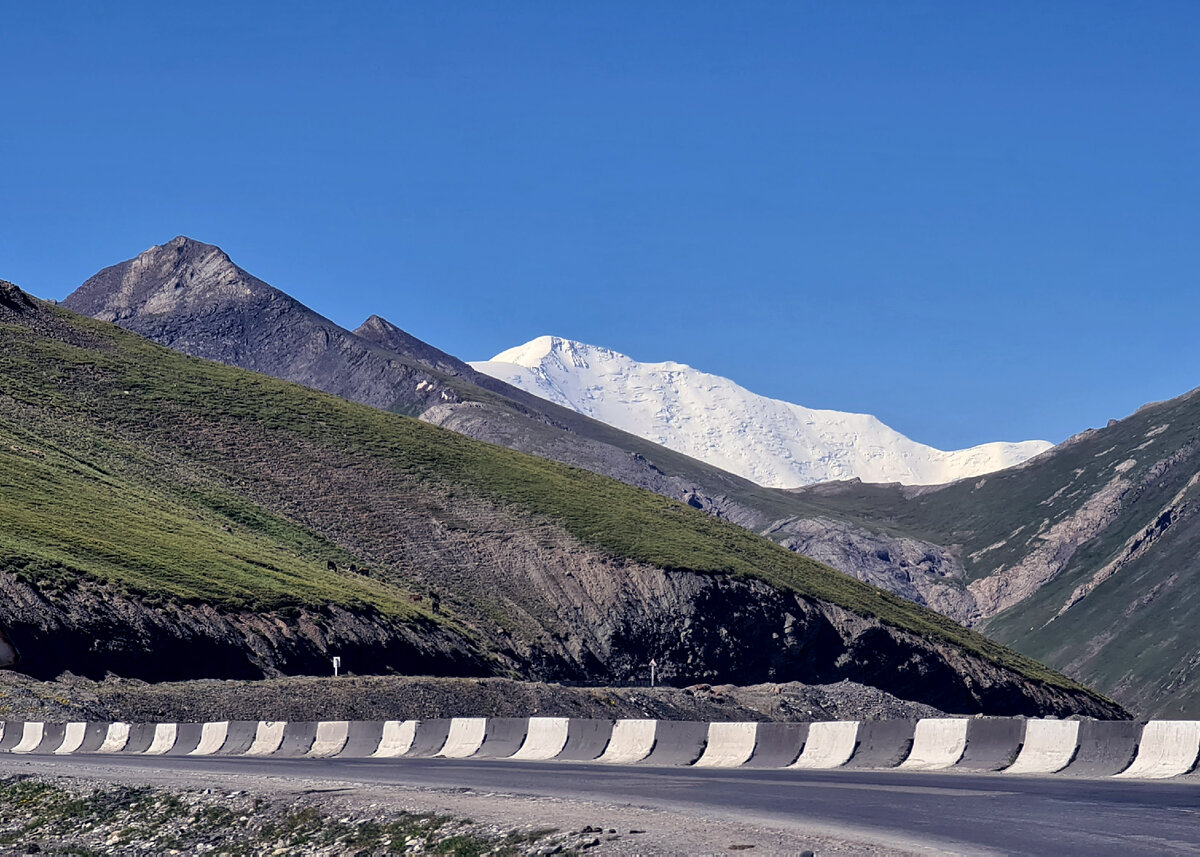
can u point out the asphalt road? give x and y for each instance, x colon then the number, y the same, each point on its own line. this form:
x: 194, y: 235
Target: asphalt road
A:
x: 960, y: 813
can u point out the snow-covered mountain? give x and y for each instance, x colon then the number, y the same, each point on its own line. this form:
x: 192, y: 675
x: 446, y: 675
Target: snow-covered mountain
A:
x: 711, y: 418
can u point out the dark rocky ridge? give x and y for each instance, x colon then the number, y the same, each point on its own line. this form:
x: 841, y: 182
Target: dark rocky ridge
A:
x: 529, y: 598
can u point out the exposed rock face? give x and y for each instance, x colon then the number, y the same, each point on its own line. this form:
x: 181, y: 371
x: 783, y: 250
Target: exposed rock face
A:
x: 191, y: 297
x: 920, y: 571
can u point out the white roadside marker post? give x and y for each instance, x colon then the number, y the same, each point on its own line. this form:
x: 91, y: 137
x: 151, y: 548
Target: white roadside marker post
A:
x: 337, y: 665
x: 653, y: 665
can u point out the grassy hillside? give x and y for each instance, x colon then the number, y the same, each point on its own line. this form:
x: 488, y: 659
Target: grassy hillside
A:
x: 130, y: 463
x: 1122, y: 502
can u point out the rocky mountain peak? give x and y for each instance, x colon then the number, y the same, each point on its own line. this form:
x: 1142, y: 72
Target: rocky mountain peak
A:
x: 12, y: 298
x: 182, y: 273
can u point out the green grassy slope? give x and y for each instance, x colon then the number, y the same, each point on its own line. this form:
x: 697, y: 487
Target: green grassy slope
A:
x: 1134, y: 635
x: 101, y: 404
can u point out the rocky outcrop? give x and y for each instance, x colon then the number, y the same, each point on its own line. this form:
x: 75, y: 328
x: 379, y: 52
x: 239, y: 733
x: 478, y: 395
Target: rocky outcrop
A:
x: 920, y: 571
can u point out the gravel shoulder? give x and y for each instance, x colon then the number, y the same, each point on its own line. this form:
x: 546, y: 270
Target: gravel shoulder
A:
x: 121, y: 811
x: 407, y: 697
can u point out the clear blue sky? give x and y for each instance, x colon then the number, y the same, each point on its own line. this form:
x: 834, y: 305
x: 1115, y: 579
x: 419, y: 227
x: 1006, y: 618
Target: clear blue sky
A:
x: 975, y: 220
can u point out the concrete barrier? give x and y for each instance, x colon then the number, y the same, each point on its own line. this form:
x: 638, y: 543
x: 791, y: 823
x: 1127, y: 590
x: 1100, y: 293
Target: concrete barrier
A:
x: 677, y: 743
x: 465, y: 737
x: 830, y: 744
x: 396, y: 739
x: 778, y: 745
x: 212, y: 738
x: 268, y: 737
x: 94, y: 736
x: 882, y: 743
x: 116, y: 736
x: 163, y: 740
x: 587, y: 740
x: 503, y: 738
x: 992, y: 743
x: 52, y: 738
x: 239, y: 738
x: 1168, y: 748
x: 1106, y: 747
x: 14, y: 734
x: 298, y: 738
x: 1049, y: 746
x: 73, y: 737
x: 938, y: 742
x: 729, y: 745
x: 187, y: 738
x: 362, y: 740
x: 430, y: 737
x: 329, y: 739
x: 545, y: 738
x: 631, y: 741
x: 141, y: 736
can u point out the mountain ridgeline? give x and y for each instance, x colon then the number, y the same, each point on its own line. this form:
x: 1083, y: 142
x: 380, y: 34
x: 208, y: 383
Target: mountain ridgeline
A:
x: 170, y: 517
x: 1085, y: 556
x: 774, y: 443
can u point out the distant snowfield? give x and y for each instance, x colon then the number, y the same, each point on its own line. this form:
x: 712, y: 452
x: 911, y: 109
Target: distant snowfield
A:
x: 711, y: 418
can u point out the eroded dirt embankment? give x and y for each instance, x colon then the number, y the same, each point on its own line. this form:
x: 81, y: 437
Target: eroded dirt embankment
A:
x: 403, y: 697
x: 703, y: 628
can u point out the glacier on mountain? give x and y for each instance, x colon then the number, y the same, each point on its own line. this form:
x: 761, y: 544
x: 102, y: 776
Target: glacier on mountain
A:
x: 771, y: 442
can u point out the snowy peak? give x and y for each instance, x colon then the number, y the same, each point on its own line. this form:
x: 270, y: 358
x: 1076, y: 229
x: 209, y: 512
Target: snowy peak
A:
x: 711, y: 418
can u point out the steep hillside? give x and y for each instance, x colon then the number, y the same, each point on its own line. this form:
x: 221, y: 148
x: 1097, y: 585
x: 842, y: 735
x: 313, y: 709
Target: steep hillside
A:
x: 773, y: 443
x: 1087, y: 557
x: 191, y: 297
x: 175, y: 517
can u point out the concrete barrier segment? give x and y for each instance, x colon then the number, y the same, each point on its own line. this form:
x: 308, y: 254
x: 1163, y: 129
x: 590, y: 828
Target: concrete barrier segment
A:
x: 239, y: 737
x: 187, y: 738
x: 1168, y: 748
x: 631, y: 741
x: 465, y: 737
x: 31, y: 735
x: 545, y: 738
x: 778, y: 745
x: 992, y: 743
x: 165, y: 735
x: 430, y: 737
x: 330, y: 739
x: 267, y: 738
x: 116, y: 736
x: 72, y: 740
x: 94, y: 736
x: 729, y: 745
x: 362, y: 739
x: 587, y: 739
x: 212, y: 738
x: 14, y: 732
x: 53, y: 735
x: 883, y: 743
x: 141, y: 736
x: 938, y: 742
x: 830, y: 744
x: 396, y: 740
x: 677, y: 743
x: 504, y: 736
x: 298, y: 738
x: 1106, y: 747
x: 1049, y: 747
